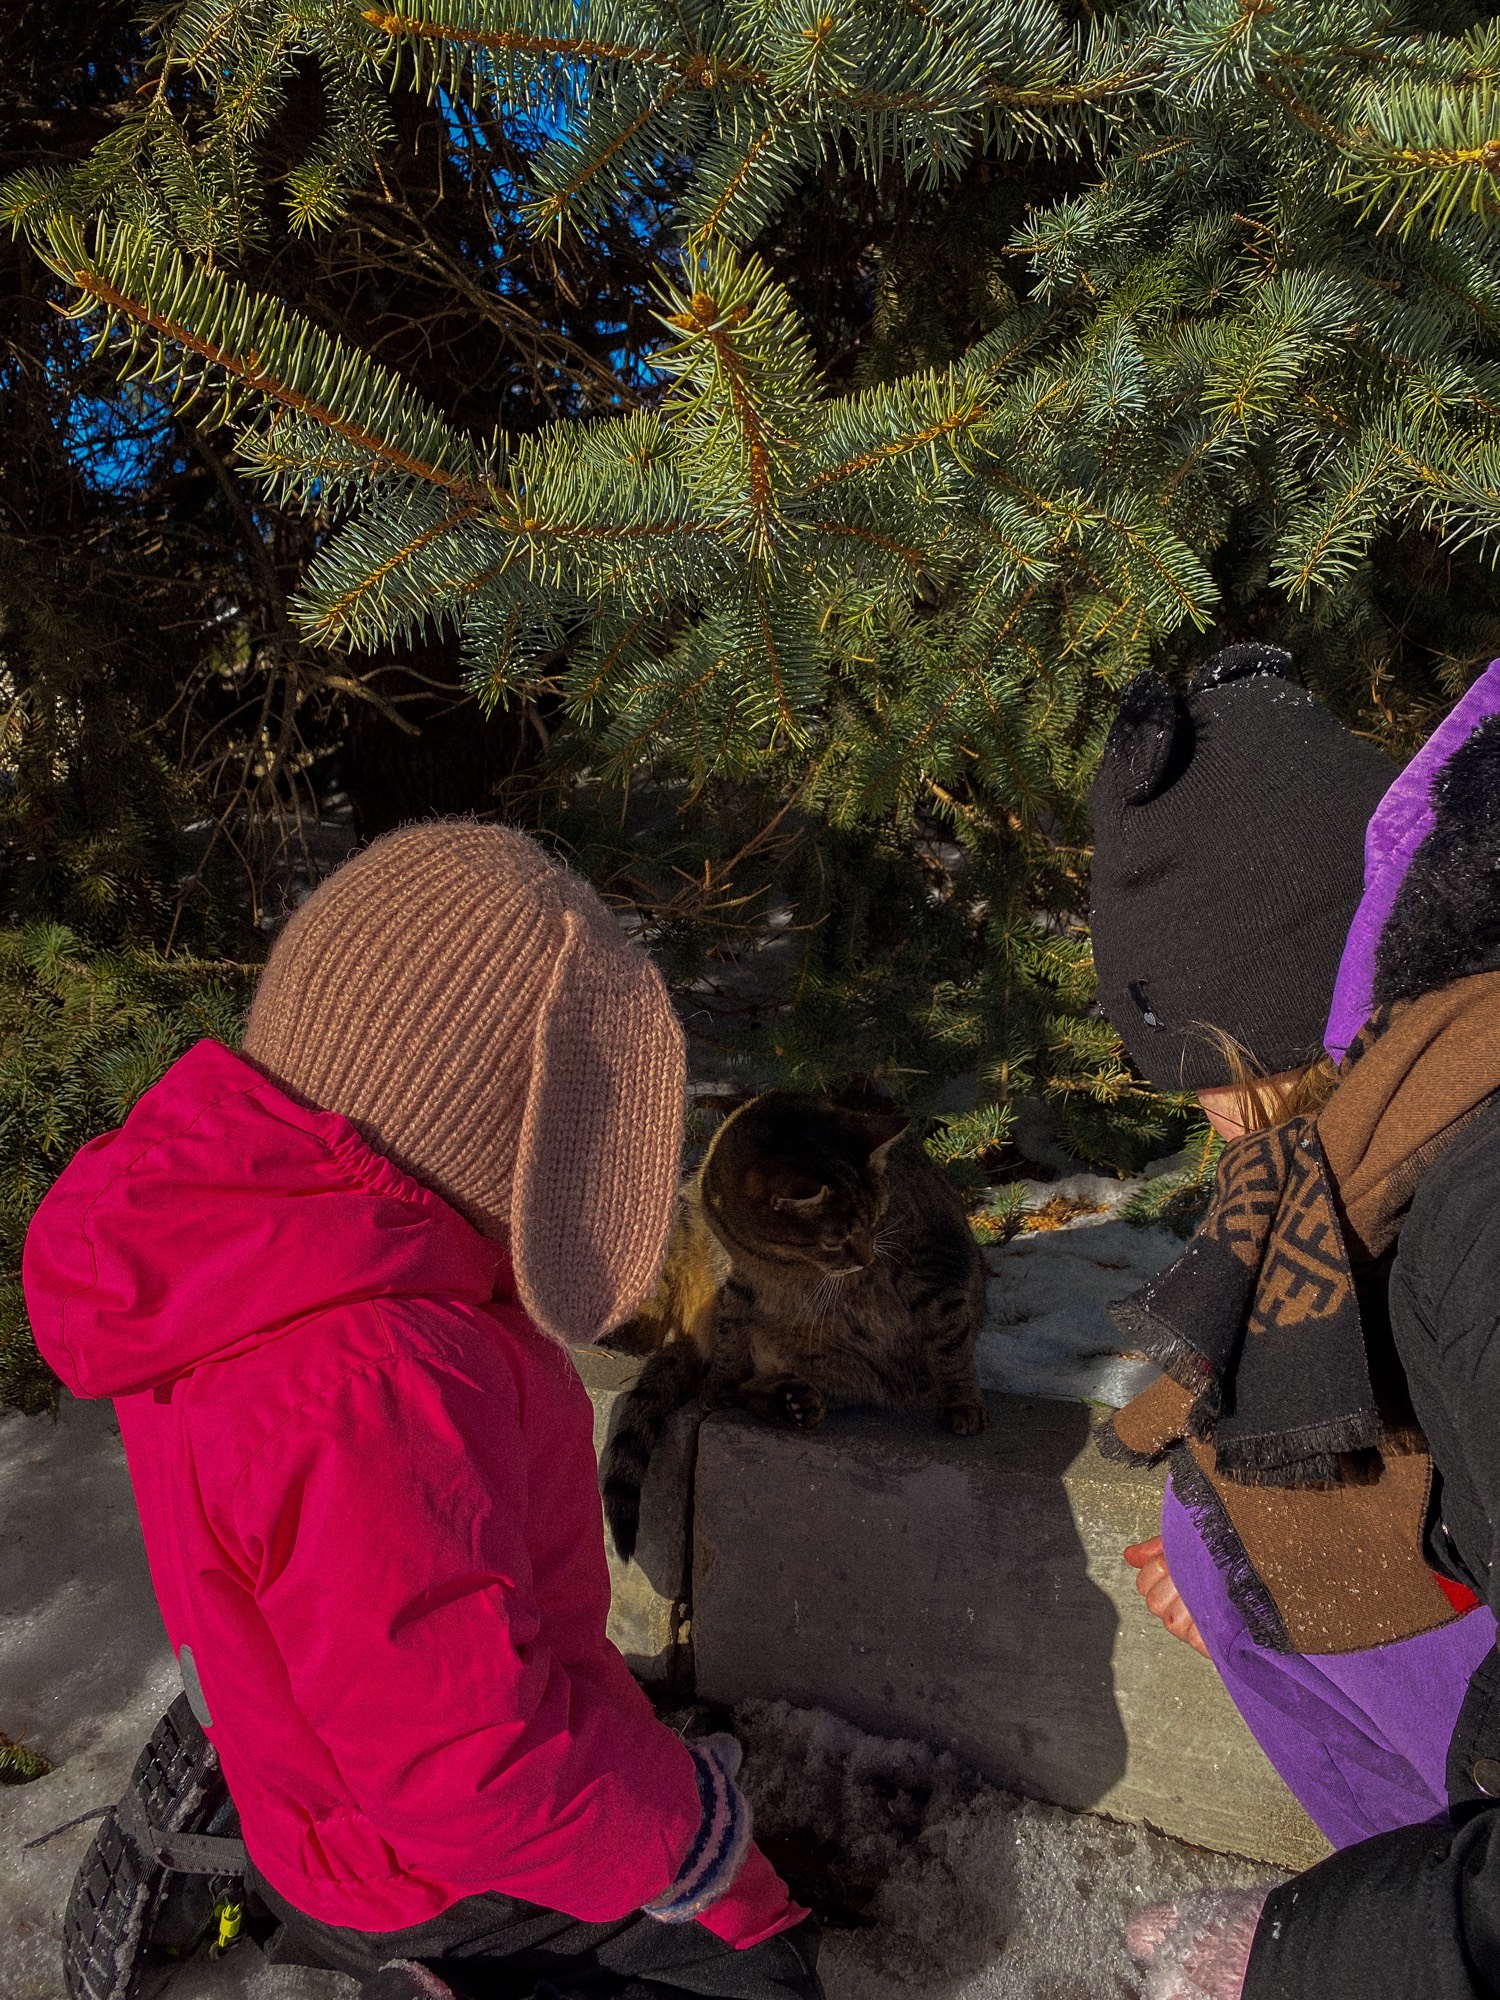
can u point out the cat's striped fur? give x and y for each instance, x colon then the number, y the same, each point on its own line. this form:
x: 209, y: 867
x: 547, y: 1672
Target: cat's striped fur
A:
x: 819, y: 1258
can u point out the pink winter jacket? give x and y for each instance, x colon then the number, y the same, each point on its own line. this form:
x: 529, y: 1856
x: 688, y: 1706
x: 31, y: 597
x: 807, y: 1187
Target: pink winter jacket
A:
x: 367, y: 1488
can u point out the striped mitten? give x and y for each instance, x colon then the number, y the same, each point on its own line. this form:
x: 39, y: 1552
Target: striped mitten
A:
x: 723, y: 1839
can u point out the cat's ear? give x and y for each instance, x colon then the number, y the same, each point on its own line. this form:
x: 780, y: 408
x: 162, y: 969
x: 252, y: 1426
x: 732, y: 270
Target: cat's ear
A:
x: 884, y: 1130
x: 807, y: 1204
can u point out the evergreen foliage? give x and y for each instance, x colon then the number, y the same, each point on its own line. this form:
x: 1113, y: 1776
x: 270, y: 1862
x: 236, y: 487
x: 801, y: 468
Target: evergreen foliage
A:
x: 1179, y: 1201
x: 1182, y: 328
x: 167, y: 739
x: 20, y: 1765
x: 82, y: 1034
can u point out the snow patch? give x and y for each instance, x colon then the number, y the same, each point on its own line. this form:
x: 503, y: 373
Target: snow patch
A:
x: 942, y: 1887
x: 1047, y: 1332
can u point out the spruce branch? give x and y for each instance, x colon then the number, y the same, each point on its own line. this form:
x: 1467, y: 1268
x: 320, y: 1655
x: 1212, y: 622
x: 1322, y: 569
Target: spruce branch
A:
x: 695, y: 66
x: 968, y: 416
x: 576, y: 170
x: 756, y: 97
x: 1324, y: 540
x: 348, y: 611
x: 743, y: 380
x: 737, y: 189
x: 1427, y: 154
x: 186, y: 317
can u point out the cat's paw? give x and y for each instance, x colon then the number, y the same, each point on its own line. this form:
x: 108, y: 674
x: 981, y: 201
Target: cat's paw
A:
x: 965, y: 1416
x: 803, y: 1406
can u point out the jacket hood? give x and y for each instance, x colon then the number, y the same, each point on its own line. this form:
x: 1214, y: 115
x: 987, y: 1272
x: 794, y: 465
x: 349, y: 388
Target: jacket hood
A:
x: 219, y: 1214
x: 1402, y: 826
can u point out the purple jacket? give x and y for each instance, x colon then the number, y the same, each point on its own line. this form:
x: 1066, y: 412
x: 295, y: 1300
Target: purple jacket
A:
x: 1414, y: 1912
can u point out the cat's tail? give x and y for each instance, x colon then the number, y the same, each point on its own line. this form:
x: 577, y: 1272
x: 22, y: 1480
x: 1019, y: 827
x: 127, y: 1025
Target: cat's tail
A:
x: 667, y: 1383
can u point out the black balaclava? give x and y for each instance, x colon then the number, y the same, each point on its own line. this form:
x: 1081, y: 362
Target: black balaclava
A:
x: 1229, y: 833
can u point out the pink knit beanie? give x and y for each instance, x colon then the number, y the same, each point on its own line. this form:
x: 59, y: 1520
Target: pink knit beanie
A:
x: 474, y: 1010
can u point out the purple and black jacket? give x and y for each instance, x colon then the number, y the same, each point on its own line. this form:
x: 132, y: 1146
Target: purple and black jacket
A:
x: 1395, y: 1752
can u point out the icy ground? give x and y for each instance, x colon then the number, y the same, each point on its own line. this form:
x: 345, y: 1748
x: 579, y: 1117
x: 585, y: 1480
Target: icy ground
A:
x: 941, y: 1888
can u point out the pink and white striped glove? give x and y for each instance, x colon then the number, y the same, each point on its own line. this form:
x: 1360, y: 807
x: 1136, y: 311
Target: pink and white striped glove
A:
x: 1197, y: 1948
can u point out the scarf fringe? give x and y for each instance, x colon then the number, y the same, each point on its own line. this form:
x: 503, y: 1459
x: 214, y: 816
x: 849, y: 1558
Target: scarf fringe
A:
x: 1249, y: 1594
x: 1113, y: 1447
x: 1306, y: 1457
x: 1154, y: 1340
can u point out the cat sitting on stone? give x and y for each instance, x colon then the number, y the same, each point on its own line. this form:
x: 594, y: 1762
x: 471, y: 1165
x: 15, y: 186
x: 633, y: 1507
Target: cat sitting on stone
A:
x: 819, y: 1257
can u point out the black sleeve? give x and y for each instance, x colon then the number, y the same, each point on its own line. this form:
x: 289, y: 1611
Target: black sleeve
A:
x: 1415, y: 1914
x: 1445, y: 1320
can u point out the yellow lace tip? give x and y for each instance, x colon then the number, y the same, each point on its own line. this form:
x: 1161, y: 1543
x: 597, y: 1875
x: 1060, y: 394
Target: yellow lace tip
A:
x: 231, y: 1916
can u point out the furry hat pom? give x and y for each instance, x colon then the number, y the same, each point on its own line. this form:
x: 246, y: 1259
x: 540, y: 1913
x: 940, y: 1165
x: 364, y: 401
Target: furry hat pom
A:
x: 1446, y: 921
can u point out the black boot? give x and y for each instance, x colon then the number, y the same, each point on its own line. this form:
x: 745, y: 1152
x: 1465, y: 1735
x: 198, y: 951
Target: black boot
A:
x: 163, y: 1874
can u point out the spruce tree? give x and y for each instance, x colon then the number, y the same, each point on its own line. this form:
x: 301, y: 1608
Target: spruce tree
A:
x: 168, y: 737
x: 824, y: 666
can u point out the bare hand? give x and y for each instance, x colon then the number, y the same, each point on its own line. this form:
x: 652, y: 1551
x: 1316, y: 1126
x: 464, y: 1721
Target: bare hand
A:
x: 1155, y: 1584
x: 1199, y: 1948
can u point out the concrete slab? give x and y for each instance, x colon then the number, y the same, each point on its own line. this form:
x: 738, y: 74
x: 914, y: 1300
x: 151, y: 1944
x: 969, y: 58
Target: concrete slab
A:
x: 969, y: 1593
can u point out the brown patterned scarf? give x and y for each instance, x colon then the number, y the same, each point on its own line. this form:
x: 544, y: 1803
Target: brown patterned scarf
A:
x: 1292, y: 1438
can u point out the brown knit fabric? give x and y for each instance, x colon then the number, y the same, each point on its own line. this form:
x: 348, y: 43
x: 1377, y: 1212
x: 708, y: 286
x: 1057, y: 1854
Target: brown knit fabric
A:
x: 1155, y: 1420
x: 473, y: 1008
x: 1322, y: 1569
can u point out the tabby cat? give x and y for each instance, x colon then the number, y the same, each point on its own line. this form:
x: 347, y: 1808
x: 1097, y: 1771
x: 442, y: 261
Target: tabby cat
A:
x: 818, y: 1257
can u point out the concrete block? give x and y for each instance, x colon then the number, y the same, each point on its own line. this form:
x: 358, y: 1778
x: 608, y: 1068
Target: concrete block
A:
x: 970, y: 1593
x: 648, y: 1618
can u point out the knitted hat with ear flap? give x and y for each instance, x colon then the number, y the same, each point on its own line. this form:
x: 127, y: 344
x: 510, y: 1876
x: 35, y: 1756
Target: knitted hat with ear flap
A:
x: 1229, y: 831
x: 474, y: 1010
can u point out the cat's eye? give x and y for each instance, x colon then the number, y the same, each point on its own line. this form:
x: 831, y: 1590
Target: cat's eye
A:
x: 807, y: 1204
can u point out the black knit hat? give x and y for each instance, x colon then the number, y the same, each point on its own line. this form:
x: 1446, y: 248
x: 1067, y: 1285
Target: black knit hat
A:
x: 1228, y: 860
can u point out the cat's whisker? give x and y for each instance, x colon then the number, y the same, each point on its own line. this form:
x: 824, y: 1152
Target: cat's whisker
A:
x: 825, y: 1300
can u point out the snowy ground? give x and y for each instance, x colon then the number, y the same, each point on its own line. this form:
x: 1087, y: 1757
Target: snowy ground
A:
x: 941, y: 1887
x: 958, y: 1891
x: 1046, y: 1331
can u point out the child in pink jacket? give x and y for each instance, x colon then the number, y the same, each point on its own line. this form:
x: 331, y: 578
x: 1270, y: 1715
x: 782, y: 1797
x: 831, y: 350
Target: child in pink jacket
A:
x: 328, y: 1284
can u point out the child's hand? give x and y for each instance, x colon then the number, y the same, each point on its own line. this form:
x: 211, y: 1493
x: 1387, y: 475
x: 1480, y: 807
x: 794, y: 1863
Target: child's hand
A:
x: 1155, y: 1584
x: 1199, y: 1948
